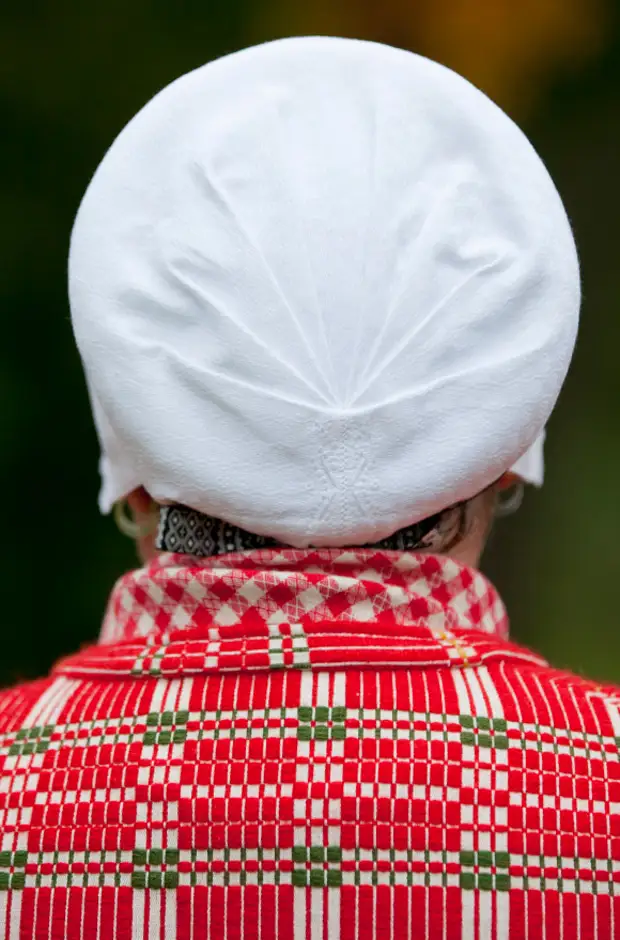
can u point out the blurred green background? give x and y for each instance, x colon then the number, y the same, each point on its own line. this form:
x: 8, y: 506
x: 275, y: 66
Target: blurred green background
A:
x: 72, y: 74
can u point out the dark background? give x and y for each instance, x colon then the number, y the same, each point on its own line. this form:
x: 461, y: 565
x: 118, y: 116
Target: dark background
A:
x: 73, y: 73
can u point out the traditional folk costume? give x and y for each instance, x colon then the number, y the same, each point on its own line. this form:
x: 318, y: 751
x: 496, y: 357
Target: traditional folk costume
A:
x: 325, y: 293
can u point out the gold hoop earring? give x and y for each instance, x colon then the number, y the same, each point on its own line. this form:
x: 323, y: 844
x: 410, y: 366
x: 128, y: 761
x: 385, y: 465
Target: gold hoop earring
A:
x: 509, y: 505
x: 128, y: 526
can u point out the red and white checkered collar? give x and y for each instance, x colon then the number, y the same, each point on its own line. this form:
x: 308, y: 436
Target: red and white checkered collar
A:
x: 270, y: 587
x: 290, y: 609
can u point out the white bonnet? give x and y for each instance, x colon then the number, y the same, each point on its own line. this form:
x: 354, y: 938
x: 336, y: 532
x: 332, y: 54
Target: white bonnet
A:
x: 322, y: 289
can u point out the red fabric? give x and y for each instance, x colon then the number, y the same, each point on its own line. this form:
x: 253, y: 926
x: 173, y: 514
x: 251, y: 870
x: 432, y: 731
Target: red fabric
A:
x: 287, y: 744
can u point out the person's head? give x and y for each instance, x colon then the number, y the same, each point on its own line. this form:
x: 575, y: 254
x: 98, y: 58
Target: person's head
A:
x: 324, y: 290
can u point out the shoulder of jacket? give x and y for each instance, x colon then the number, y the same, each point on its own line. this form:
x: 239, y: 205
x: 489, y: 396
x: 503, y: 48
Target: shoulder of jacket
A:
x: 17, y: 702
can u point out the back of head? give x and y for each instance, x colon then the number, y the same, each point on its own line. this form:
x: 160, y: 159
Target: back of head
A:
x: 323, y: 289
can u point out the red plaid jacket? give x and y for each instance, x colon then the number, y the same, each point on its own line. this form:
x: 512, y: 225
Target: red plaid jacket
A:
x: 308, y: 745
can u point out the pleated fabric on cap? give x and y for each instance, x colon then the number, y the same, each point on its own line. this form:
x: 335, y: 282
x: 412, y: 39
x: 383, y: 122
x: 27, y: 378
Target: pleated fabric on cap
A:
x: 322, y: 288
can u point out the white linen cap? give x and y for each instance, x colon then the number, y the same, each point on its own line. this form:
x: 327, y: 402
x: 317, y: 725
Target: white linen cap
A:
x: 323, y: 289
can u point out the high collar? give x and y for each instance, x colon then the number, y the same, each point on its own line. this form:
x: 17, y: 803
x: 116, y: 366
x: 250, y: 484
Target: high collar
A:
x: 286, y: 585
x: 272, y: 608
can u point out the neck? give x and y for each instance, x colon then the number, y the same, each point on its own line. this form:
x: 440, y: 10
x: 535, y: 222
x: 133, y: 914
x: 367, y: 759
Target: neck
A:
x: 459, y: 533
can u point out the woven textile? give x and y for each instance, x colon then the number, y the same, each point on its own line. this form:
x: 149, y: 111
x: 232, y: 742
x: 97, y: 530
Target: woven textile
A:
x: 300, y: 745
x: 187, y: 531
